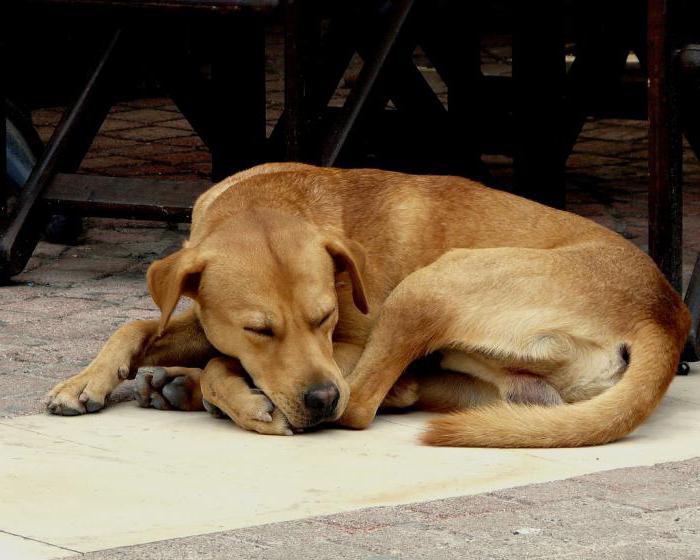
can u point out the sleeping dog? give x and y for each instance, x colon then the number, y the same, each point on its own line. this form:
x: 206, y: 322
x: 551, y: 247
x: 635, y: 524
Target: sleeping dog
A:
x: 314, y: 289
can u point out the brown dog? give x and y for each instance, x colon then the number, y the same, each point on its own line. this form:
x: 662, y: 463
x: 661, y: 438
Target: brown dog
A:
x: 319, y: 287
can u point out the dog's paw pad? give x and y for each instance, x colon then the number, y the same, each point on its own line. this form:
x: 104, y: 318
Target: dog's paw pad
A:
x: 159, y: 377
x: 93, y: 405
x: 160, y: 390
x: 159, y: 403
x: 142, y: 389
x: 178, y: 392
x: 64, y: 410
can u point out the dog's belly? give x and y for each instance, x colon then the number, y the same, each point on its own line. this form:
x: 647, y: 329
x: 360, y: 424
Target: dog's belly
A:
x: 586, y: 374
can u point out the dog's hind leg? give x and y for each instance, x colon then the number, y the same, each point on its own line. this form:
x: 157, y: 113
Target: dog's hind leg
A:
x: 136, y: 344
x: 513, y: 385
x: 485, y: 303
x: 445, y: 391
x: 409, y: 326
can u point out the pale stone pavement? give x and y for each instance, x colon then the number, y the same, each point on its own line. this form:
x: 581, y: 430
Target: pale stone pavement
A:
x: 649, y: 513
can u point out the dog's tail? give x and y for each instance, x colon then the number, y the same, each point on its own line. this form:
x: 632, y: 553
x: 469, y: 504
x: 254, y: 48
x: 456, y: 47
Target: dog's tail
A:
x: 654, y: 354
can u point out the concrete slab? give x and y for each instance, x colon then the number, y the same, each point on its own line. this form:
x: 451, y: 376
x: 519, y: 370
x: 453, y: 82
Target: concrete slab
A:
x: 13, y: 547
x: 129, y: 475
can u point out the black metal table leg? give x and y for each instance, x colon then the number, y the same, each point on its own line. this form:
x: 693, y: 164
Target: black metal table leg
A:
x: 539, y: 72
x: 665, y: 150
x: 452, y: 41
x: 238, y: 89
x: 365, y: 83
x: 294, y: 80
x: 602, y: 48
x: 67, y: 147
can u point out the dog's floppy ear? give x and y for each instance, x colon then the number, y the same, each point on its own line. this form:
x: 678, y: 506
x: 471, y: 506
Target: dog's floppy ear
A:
x: 349, y: 256
x: 174, y: 276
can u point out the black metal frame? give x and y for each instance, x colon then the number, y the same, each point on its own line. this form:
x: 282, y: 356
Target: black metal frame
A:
x: 229, y: 117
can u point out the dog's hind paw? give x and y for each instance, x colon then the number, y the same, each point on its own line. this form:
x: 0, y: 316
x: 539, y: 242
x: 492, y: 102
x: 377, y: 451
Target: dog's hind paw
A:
x: 168, y: 389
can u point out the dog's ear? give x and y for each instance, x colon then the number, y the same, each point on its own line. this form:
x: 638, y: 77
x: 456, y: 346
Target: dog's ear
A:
x: 172, y: 277
x: 349, y: 256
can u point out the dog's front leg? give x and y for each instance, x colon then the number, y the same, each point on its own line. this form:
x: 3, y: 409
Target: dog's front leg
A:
x: 346, y: 355
x: 225, y: 388
x: 403, y: 394
x: 134, y: 345
x: 401, y: 334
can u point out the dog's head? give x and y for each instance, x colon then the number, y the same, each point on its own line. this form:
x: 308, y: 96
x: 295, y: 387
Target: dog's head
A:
x: 265, y: 284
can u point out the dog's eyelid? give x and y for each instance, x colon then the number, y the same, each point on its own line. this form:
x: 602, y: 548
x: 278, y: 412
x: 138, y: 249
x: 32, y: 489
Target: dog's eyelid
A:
x: 325, y: 317
x: 260, y: 331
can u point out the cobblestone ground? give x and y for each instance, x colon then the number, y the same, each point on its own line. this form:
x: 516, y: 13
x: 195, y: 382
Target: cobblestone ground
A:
x: 63, y: 307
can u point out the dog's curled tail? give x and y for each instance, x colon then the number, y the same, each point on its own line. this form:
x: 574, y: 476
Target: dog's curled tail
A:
x: 654, y: 355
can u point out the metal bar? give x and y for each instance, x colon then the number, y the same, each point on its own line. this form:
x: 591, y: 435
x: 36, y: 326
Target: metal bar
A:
x: 365, y: 83
x: 24, y: 229
x: 133, y: 198
x: 665, y: 149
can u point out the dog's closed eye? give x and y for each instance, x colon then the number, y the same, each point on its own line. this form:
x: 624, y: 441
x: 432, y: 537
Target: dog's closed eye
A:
x: 260, y: 331
x: 325, y: 318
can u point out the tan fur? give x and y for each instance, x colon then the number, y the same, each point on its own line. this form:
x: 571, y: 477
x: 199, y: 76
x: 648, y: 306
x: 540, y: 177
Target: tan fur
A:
x: 528, y: 306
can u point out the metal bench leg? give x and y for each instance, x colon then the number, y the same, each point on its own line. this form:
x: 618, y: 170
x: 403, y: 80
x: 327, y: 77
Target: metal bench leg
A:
x: 66, y: 149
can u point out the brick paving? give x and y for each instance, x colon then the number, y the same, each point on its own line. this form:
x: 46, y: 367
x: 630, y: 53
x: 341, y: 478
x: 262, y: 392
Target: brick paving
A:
x: 620, y: 514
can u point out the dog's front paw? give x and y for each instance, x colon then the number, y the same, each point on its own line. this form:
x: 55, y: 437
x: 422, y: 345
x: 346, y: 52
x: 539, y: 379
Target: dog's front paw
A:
x: 85, y: 392
x: 165, y: 390
x: 252, y: 411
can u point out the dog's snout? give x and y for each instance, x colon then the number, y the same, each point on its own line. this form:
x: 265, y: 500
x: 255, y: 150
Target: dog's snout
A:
x: 322, y: 398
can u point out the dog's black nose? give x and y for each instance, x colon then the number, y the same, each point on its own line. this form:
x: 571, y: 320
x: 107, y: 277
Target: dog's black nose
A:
x: 322, y: 398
